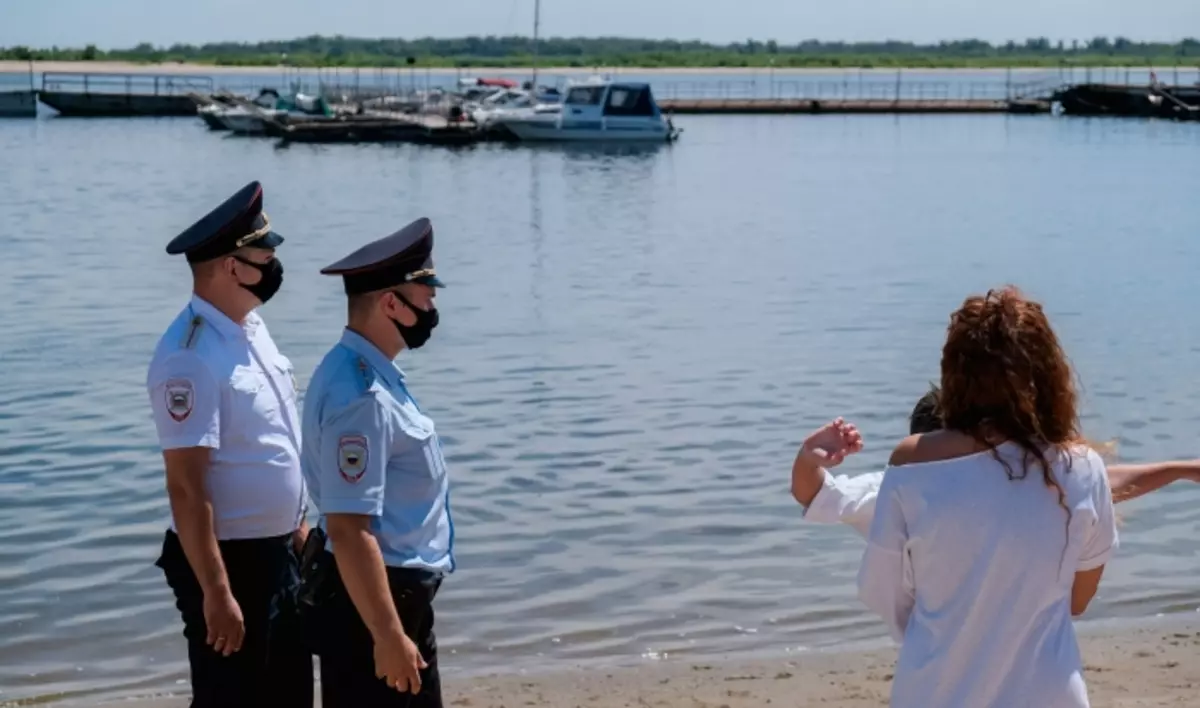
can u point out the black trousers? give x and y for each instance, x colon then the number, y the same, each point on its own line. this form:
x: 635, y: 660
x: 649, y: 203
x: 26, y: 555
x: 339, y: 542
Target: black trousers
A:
x: 273, y: 667
x: 347, y: 650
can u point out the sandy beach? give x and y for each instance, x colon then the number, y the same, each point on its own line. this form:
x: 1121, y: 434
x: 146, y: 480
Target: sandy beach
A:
x: 1152, y: 666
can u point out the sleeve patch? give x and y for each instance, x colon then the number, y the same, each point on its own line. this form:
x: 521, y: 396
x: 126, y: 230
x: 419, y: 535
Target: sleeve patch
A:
x: 352, y: 457
x: 181, y: 399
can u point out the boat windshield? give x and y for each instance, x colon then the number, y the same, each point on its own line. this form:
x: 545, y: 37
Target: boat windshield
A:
x: 585, y: 95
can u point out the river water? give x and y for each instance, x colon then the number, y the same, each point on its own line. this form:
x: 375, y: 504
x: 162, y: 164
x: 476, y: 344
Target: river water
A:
x: 633, y: 343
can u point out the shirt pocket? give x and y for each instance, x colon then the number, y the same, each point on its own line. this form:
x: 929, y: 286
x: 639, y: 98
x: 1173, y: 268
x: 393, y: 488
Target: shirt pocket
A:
x: 414, y: 425
x: 285, y: 378
x: 252, y: 403
x: 417, y: 453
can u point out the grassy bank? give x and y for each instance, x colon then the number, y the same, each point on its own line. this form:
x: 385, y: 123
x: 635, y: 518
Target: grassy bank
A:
x: 646, y: 62
x: 615, y: 52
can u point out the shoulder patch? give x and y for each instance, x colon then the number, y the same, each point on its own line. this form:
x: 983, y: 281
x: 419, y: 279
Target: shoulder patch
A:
x: 193, y: 333
x: 181, y: 398
x: 352, y: 457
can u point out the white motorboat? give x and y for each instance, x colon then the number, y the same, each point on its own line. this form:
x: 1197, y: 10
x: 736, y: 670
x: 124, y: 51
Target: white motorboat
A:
x: 251, y: 117
x: 514, y: 103
x: 595, y: 111
x: 249, y: 120
x: 211, y: 111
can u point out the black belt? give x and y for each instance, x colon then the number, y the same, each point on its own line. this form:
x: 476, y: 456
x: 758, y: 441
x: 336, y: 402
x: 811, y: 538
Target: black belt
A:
x: 319, y: 579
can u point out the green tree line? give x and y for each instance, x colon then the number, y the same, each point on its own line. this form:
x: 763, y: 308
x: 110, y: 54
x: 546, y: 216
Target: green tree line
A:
x: 616, y: 52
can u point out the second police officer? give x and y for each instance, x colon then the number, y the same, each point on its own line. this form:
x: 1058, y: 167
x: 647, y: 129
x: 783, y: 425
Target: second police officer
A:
x: 376, y: 473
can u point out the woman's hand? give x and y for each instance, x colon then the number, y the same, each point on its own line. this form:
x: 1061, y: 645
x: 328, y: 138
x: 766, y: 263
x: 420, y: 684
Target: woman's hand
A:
x: 830, y: 444
x: 825, y: 448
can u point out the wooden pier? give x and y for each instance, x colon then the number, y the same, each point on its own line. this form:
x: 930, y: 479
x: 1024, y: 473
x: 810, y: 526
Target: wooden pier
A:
x: 761, y: 106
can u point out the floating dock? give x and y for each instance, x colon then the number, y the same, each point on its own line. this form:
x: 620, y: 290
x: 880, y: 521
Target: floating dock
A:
x: 760, y: 106
x: 1153, y: 101
x: 378, y: 128
x: 18, y: 104
x: 122, y: 95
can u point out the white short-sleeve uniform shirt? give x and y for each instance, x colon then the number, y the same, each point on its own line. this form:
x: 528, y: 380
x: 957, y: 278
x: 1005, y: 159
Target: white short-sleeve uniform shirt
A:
x: 218, y: 384
x: 972, y: 572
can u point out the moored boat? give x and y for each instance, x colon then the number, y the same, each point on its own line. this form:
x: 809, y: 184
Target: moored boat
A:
x: 595, y: 111
x: 249, y: 120
x: 262, y: 116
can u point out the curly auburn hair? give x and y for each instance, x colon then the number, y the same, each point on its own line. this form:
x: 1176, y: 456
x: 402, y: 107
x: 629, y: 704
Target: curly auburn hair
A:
x: 1005, y: 377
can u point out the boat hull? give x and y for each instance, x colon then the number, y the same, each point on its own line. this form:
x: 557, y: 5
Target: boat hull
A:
x: 243, y: 123
x: 69, y: 103
x: 555, y: 131
x: 18, y: 104
x: 212, y: 118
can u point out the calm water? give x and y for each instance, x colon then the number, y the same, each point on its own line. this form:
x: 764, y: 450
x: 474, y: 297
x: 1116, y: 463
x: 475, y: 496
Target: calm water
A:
x: 633, y: 343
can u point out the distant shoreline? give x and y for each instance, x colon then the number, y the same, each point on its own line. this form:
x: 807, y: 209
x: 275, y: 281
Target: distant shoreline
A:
x: 185, y: 69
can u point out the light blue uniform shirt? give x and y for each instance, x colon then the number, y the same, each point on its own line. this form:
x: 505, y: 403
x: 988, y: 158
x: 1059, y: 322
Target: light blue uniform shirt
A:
x: 368, y: 449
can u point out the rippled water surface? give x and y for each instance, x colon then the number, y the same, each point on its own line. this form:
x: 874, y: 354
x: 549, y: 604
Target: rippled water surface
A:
x: 632, y: 345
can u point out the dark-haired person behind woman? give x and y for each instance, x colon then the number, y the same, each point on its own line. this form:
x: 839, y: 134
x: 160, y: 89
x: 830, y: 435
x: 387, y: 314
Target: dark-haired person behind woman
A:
x: 990, y: 534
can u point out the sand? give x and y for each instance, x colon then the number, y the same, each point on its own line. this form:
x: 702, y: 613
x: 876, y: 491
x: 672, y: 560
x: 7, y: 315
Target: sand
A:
x: 1152, y: 666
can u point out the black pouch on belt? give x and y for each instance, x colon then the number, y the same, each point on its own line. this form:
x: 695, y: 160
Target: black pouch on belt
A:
x: 316, y: 567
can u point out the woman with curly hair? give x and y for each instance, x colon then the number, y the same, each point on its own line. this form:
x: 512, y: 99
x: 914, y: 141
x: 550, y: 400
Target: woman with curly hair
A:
x: 990, y: 534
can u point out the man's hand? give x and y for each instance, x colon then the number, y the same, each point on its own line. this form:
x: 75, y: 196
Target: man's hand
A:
x: 830, y: 444
x: 399, y: 662
x: 360, y: 564
x: 223, y: 617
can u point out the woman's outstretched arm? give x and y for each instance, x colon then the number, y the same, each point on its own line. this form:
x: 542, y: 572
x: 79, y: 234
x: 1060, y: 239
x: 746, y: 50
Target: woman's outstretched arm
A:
x: 1132, y: 481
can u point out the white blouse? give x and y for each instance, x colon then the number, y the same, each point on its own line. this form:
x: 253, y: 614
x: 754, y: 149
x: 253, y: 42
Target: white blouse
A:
x: 972, y: 572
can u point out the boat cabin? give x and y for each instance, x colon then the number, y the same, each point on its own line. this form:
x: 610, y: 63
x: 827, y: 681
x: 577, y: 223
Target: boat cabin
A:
x: 605, y: 99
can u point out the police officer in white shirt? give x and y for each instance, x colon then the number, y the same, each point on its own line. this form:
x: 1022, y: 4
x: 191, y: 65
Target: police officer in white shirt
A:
x: 224, y: 403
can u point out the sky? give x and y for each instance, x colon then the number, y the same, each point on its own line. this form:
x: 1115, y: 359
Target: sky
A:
x: 124, y: 23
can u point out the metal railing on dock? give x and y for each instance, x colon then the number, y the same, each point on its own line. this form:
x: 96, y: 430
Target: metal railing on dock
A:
x: 861, y: 96
x: 113, y: 95
x: 128, y: 84
x: 849, y: 89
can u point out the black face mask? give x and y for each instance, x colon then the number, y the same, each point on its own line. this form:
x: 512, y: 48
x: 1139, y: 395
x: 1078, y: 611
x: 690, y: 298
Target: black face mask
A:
x: 268, y: 284
x: 416, y: 335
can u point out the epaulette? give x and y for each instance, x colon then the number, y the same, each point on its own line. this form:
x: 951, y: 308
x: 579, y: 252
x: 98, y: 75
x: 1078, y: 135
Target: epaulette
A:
x: 193, y: 333
x: 365, y: 373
